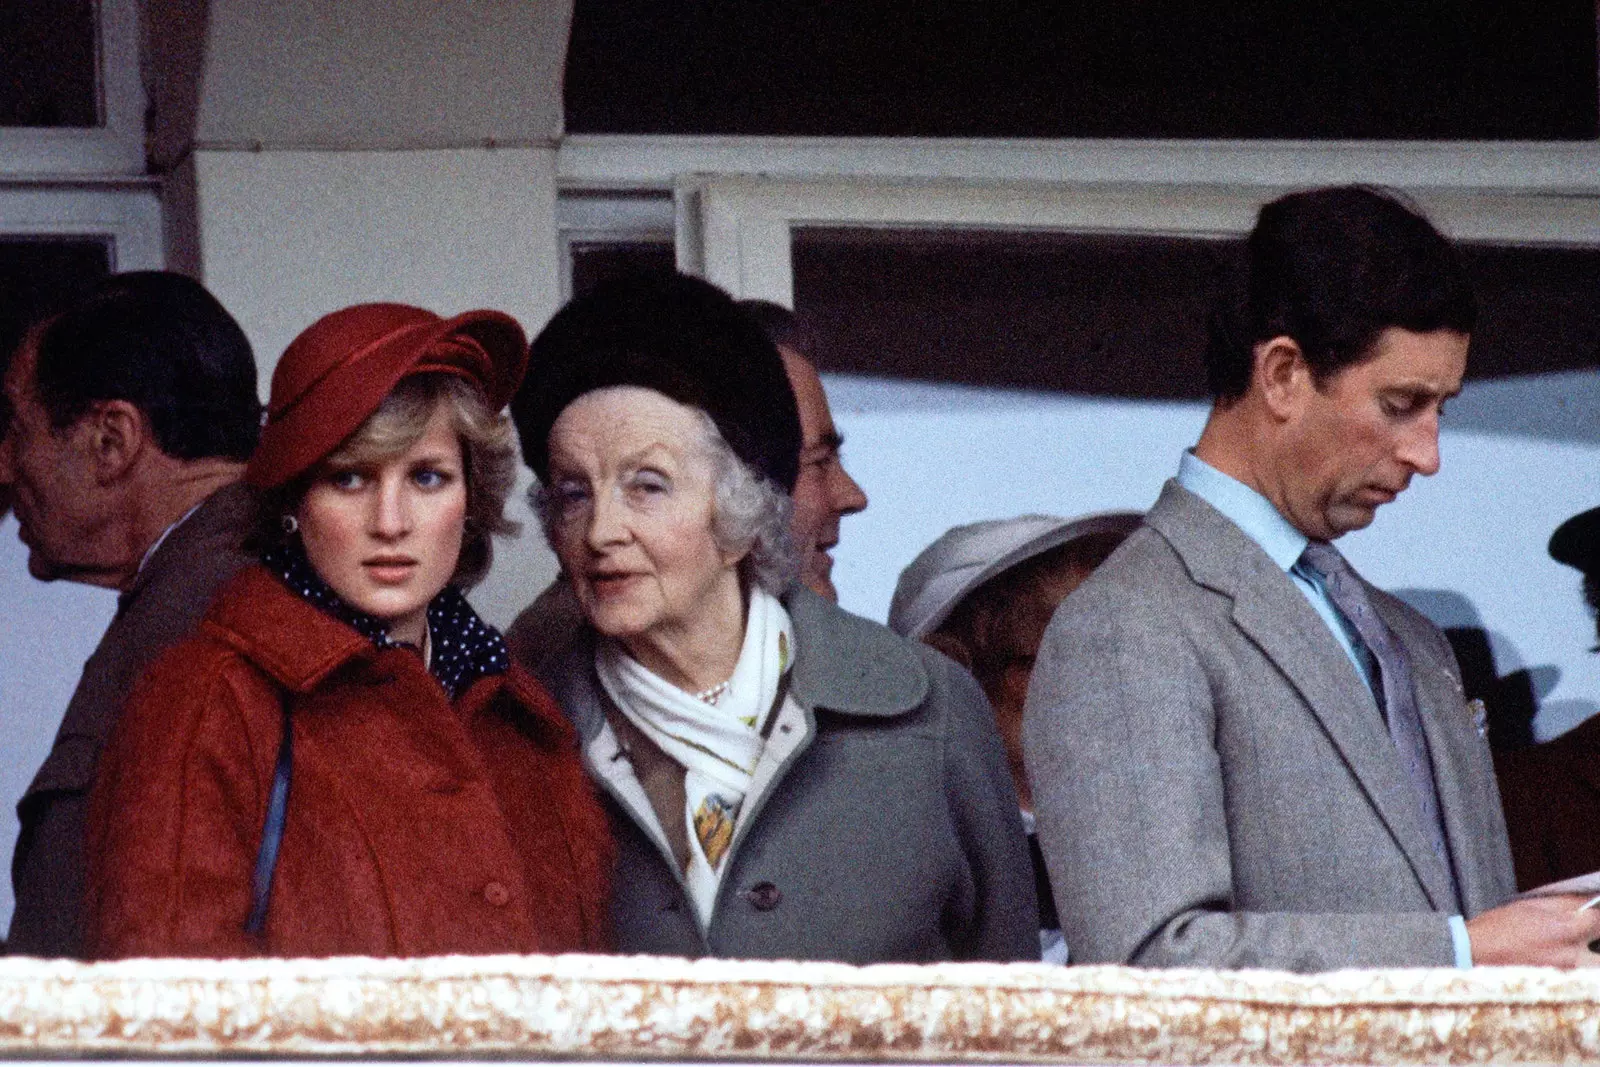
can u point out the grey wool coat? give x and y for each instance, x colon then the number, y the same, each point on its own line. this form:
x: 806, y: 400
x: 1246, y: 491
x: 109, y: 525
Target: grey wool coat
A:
x: 882, y: 824
x: 165, y: 603
x: 1214, y: 783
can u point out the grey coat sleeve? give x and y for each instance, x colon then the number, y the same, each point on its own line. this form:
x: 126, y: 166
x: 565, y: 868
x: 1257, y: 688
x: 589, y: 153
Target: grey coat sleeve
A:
x: 1129, y: 793
x: 1002, y: 920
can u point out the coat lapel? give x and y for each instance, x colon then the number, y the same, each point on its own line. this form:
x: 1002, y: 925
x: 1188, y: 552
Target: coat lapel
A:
x: 1277, y: 618
x: 842, y: 664
x: 571, y: 680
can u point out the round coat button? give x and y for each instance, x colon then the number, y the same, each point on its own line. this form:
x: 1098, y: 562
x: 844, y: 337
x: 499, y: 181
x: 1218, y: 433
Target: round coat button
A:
x: 497, y: 894
x: 763, y: 896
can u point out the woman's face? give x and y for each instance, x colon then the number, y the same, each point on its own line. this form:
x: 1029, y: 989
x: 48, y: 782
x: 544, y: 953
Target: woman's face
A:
x: 387, y: 536
x: 632, y: 487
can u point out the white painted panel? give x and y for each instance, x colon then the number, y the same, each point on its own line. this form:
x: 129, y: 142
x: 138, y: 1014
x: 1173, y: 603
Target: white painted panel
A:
x: 382, y: 73
x: 632, y: 161
x: 287, y: 237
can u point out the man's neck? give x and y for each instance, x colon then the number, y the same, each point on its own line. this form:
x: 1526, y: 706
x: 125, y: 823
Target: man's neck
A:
x: 1232, y: 442
x: 166, y: 495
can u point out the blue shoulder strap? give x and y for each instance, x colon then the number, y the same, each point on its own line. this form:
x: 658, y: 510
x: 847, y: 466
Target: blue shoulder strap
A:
x: 272, y: 832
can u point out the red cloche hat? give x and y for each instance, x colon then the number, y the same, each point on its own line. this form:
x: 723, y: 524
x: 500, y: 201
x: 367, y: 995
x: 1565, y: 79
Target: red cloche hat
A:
x: 338, y: 371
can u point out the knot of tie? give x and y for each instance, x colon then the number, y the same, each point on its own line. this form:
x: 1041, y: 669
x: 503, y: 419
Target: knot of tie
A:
x: 1323, y: 558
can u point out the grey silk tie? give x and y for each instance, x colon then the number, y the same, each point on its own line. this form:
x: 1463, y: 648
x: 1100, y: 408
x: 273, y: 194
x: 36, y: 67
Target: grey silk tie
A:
x: 1396, y: 697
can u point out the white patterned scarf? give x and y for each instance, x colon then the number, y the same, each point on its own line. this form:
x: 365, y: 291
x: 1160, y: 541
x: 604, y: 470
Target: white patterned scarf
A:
x: 717, y: 744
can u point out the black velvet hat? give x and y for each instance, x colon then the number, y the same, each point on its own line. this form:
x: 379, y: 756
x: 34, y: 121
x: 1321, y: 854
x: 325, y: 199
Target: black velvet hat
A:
x: 1576, y: 542
x: 680, y: 336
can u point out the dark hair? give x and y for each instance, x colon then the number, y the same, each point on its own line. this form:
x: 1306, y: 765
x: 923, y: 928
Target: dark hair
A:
x: 1591, y: 597
x: 1332, y: 269
x: 6, y: 352
x: 782, y: 326
x: 161, y: 342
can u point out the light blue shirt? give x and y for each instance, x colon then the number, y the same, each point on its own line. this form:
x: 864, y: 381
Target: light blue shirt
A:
x: 1278, y: 538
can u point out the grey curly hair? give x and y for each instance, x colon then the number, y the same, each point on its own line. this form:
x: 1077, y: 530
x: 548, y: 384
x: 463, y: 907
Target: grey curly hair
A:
x: 749, y: 514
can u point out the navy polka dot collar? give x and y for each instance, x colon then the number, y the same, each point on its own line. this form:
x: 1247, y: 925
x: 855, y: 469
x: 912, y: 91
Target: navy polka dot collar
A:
x: 465, y: 648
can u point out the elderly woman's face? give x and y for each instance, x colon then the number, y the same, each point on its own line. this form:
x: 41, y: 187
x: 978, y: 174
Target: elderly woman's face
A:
x: 387, y: 535
x: 632, y: 487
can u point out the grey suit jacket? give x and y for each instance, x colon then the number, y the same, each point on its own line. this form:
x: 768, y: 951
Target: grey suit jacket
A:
x: 1214, y: 783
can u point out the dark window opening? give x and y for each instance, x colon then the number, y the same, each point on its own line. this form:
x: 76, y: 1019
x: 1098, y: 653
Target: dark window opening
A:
x: 48, y: 65
x: 40, y: 276
x: 1119, y: 316
x: 599, y: 261
x: 1423, y: 69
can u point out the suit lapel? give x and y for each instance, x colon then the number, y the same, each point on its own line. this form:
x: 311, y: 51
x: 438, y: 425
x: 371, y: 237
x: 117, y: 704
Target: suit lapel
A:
x: 1277, y: 618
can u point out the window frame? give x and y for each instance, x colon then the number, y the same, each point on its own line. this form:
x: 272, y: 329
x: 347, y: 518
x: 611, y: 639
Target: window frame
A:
x: 117, y: 145
x: 126, y: 214
x: 739, y: 198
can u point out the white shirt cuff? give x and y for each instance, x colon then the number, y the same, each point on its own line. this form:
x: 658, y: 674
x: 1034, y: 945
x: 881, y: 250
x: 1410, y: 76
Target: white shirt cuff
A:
x: 1461, y: 942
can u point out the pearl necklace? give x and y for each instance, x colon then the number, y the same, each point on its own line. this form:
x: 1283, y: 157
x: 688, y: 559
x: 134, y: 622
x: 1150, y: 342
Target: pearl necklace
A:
x: 714, y: 694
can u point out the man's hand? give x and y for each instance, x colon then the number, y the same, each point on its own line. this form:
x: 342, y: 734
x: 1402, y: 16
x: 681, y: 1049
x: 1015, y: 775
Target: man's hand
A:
x: 1538, y: 932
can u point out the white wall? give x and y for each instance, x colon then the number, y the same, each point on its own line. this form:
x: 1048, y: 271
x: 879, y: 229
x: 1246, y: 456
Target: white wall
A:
x: 931, y: 457
x: 383, y: 73
x: 46, y: 632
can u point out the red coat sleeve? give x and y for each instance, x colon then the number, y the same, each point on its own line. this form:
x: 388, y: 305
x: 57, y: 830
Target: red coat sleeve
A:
x: 176, y: 813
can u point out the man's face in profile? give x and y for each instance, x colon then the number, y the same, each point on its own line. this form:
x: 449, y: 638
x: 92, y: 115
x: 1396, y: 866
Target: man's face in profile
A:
x: 1354, y: 442
x: 47, y: 475
x: 823, y: 492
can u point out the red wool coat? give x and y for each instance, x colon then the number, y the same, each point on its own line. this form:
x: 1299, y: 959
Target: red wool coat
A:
x: 415, y: 827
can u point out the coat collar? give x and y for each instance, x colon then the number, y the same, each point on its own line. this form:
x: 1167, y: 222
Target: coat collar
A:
x: 1276, y: 616
x: 292, y: 641
x: 848, y: 664
x: 843, y: 663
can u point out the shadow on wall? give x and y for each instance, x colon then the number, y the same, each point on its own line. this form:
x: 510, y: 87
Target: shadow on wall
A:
x: 1513, y: 699
x: 175, y: 45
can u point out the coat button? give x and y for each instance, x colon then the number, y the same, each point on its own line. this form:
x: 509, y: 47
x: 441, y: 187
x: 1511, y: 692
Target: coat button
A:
x: 497, y: 894
x: 763, y: 896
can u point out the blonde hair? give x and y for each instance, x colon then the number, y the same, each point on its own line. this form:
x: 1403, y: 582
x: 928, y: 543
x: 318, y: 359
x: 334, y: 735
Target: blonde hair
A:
x: 488, y: 453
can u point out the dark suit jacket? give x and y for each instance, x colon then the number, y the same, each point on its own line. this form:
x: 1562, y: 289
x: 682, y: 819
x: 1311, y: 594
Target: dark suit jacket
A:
x: 165, y: 603
x: 1214, y: 783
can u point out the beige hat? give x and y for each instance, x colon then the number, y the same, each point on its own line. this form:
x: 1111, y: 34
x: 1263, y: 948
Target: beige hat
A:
x: 967, y: 556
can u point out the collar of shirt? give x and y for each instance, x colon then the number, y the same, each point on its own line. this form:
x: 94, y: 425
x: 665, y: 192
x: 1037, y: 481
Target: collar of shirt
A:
x: 1263, y: 524
x: 1245, y: 508
x: 153, y: 549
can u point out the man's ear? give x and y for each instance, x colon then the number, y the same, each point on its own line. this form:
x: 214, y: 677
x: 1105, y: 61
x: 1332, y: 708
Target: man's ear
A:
x: 953, y: 647
x: 118, y: 434
x: 1282, y: 374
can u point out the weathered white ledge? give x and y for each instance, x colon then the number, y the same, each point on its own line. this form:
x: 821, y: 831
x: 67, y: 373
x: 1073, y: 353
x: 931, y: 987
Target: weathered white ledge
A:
x: 622, y: 1008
